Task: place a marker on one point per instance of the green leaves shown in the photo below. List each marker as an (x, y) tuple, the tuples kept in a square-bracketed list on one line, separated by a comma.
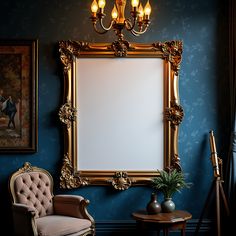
[(170, 182)]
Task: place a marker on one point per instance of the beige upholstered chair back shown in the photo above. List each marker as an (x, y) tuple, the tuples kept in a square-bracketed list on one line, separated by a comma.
[(33, 186)]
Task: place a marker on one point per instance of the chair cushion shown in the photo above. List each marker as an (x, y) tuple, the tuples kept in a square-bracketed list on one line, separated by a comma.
[(56, 225), (34, 189)]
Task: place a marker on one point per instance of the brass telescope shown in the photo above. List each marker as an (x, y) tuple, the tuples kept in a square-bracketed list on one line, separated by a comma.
[(216, 188), (214, 157)]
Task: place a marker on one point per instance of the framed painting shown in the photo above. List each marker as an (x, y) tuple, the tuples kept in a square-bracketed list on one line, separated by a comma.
[(121, 112), (18, 96)]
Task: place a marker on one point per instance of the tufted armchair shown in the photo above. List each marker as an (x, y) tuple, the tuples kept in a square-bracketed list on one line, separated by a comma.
[(36, 212)]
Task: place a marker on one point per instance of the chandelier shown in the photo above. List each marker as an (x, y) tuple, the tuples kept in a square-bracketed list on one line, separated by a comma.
[(137, 24)]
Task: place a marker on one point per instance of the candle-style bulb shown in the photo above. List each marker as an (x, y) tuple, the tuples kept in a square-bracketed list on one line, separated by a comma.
[(140, 11), (134, 3), (101, 3), (147, 9), (94, 6), (114, 13)]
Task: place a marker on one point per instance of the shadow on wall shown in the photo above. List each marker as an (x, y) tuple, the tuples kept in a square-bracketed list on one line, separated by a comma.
[(5, 206)]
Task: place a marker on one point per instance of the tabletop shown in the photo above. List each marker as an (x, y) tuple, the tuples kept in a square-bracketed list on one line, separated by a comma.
[(162, 218)]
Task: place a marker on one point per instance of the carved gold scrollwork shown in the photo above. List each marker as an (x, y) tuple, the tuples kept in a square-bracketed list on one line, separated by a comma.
[(67, 178), (172, 51), (26, 168), (69, 49), (67, 114), (174, 114), (121, 181), (120, 47), (65, 56), (70, 54), (175, 162)]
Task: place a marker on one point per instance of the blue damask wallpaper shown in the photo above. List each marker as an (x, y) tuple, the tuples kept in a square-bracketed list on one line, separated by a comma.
[(199, 24)]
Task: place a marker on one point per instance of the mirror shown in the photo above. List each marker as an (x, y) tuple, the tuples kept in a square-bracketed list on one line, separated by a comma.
[(121, 112)]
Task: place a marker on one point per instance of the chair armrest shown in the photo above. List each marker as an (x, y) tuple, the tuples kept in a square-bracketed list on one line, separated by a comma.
[(23, 218), (72, 205), (23, 209)]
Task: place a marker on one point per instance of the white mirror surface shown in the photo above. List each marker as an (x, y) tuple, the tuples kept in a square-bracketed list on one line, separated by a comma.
[(120, 114)]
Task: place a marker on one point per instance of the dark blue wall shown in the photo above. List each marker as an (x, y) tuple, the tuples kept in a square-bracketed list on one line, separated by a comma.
[(199, 24)]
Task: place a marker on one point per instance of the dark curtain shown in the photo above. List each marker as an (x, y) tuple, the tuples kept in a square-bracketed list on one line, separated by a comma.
[(230, 182)]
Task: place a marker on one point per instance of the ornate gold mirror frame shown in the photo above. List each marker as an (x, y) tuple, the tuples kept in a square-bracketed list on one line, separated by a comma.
[(70, 51)]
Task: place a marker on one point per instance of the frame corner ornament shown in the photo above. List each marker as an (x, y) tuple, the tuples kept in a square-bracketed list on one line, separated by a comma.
[(69, 49), (68, 179), (121, 181), (67, 114), (174, 114), (172, 51), (65, 55)]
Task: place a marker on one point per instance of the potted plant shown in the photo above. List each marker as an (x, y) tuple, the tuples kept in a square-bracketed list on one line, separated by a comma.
[(169, 182)]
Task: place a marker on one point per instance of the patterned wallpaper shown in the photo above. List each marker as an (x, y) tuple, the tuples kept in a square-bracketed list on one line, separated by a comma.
[(197, 23)]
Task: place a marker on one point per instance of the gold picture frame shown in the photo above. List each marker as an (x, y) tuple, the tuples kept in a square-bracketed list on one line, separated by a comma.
[(71, 55)]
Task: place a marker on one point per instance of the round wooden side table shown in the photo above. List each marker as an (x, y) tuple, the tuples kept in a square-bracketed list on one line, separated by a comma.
[(162, 221)]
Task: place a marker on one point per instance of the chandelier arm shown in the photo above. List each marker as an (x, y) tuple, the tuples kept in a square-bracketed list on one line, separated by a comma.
[(105, 28), (129, 25), (98, 31), (137, 33)]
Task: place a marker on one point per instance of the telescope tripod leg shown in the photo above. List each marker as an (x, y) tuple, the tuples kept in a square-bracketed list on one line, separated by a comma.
[(224, 199), (220, 191), (218, 206), (205, 207)]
